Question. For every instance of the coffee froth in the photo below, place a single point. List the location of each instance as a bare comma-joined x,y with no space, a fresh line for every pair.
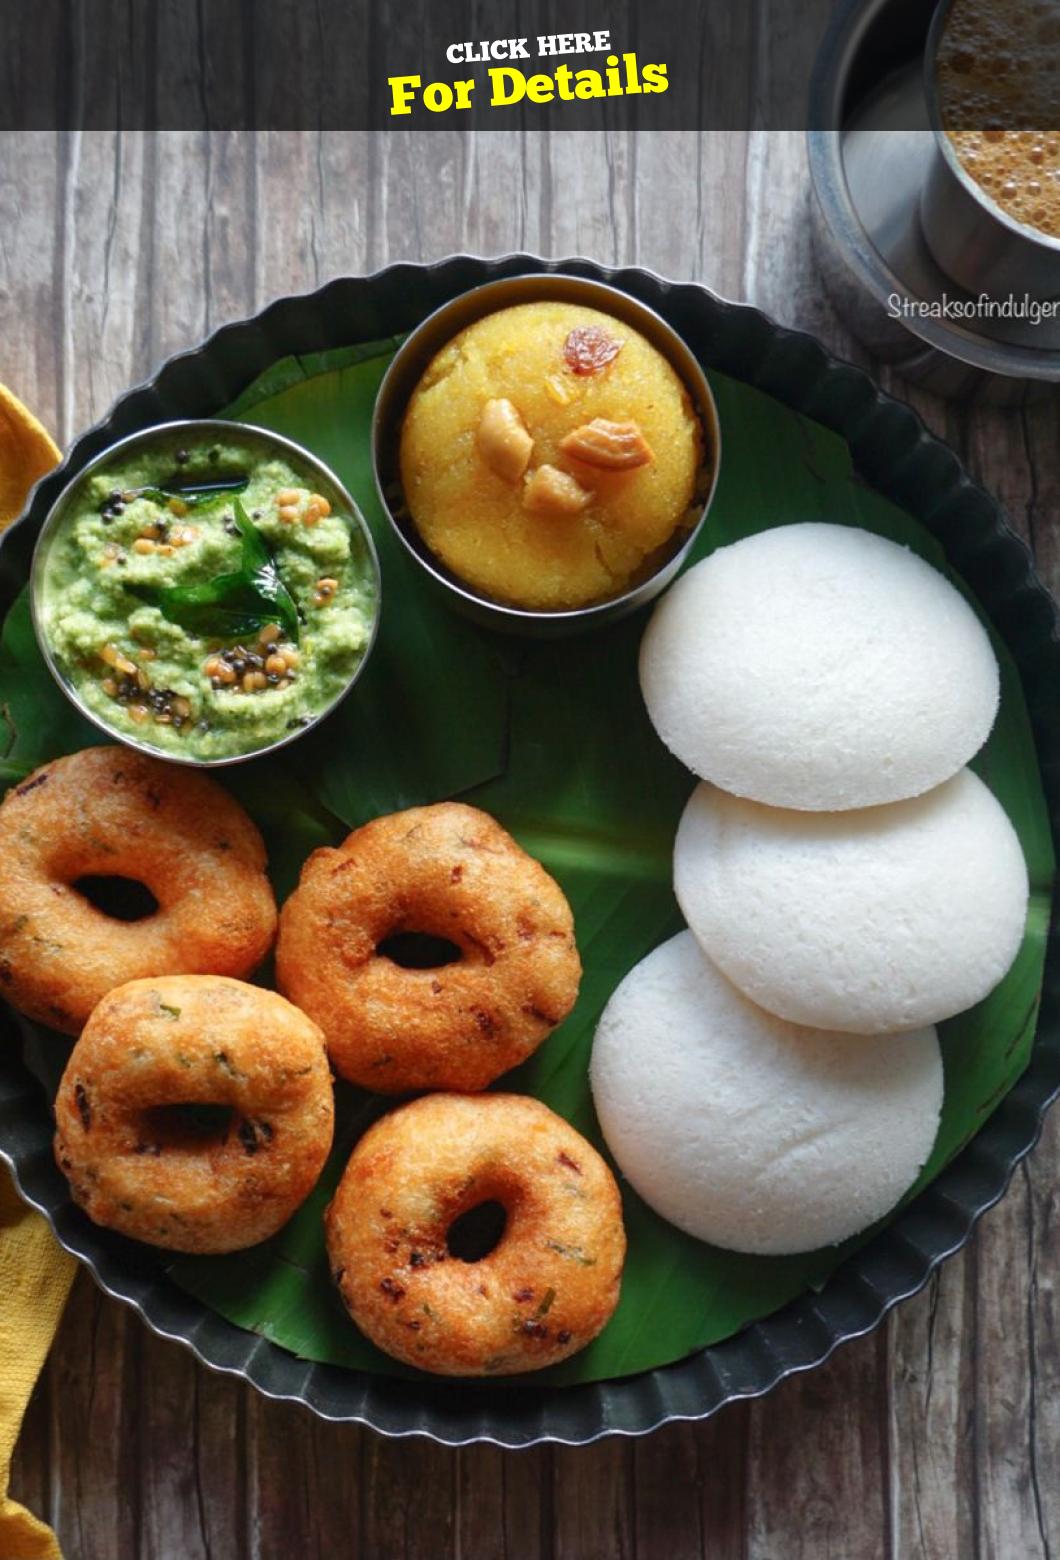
996,72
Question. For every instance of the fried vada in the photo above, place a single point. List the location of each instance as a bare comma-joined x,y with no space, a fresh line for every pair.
195,1113
452,873
108,812
401,1260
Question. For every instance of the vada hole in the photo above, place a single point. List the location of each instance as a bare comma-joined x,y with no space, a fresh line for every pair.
186,1126
122,898
477,1232
419,951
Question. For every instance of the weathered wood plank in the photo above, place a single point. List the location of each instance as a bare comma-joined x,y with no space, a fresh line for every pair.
817,1472
592,1501
932,1411
940,1437
32,308
311,218
499,210
1009,1475
31,1465
218,1454
109,335
503,1505
408,1491
685,222
175,1506
98,1454
1042,1213
1016,1440
689,1492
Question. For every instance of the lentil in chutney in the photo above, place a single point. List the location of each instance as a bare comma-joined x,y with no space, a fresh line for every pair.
206,600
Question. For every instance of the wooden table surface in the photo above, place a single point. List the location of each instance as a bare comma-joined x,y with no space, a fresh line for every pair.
937,1436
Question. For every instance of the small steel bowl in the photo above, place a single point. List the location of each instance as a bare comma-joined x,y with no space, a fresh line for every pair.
189,430
404,374
973,239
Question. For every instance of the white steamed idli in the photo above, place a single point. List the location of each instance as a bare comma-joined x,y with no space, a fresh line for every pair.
749,1132
869,921
819,666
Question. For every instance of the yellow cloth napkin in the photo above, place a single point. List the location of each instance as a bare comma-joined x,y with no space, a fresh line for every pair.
35,1273
35,1278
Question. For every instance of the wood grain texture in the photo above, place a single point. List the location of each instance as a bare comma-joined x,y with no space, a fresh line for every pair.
939,1437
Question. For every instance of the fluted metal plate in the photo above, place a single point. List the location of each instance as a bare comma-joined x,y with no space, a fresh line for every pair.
896,454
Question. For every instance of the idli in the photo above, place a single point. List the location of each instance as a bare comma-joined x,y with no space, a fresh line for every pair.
818,667
749,1132
870,921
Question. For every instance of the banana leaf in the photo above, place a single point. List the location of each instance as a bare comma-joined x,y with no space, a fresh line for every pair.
553,740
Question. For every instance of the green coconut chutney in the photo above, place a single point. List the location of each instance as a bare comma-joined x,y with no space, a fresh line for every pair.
207,599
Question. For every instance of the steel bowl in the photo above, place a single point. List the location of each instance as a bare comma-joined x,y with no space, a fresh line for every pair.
973,239
191,430
870,145
404,374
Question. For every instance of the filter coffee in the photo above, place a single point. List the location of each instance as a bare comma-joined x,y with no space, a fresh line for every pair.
996,72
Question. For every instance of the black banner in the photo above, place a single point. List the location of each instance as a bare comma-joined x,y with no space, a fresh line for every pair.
418,65
456,65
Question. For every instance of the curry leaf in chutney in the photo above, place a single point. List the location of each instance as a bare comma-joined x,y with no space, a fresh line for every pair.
238,602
